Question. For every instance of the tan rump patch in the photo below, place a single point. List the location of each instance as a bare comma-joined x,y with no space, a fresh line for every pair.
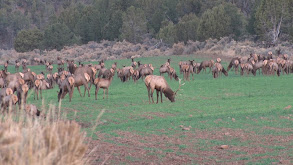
21,74
71,81
14,99
9,91
24,88
21,81
87,77
37,83
96,81
34,74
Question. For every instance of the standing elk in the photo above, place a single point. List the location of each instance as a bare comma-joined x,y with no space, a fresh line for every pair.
187,69
17,65
6,65
102,83
22,92
82,79
133,63
205,64
39,86
158,83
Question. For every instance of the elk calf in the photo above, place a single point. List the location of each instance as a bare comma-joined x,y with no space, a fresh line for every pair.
102,83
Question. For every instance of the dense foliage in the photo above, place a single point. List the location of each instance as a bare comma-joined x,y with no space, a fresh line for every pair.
171,21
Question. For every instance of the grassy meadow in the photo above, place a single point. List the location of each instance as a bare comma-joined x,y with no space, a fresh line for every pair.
252,115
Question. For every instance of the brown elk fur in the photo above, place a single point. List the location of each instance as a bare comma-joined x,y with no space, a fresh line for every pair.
32,110
22,92
218,68
82,79
39,86
66,86
158,83
102,83
5,92
17,65
7,101
204,65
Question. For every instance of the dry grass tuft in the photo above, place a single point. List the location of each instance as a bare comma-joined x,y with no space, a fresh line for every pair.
32,140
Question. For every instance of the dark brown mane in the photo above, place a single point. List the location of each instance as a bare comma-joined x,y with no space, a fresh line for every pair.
168,93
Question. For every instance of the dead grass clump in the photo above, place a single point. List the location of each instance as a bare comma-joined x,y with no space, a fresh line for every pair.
27,140
178,48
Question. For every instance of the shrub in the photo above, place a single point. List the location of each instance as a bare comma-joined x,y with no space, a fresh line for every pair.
27,140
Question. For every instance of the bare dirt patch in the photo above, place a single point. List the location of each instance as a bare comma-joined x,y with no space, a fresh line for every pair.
186,147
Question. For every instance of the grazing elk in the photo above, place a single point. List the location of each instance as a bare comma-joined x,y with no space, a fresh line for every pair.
146,70
66,85
205,64
234,63
218,68
158,83
102,83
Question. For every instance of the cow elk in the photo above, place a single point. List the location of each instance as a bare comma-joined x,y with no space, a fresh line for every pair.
158,83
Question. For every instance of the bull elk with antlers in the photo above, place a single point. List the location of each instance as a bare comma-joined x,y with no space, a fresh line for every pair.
158,83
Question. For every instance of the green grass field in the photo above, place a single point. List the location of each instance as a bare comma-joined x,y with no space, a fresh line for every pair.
245,112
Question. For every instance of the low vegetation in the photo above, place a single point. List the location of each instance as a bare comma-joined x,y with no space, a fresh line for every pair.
234,119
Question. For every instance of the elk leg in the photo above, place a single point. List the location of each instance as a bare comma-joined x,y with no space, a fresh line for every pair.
161,96
35,94
152,92
86,88
41,93
104,93
149,94
157,96
107,92
96,92
70,94
78,88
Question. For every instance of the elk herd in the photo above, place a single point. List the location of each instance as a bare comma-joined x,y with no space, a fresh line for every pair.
15,86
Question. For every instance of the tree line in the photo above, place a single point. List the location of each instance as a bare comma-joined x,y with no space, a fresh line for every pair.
52,24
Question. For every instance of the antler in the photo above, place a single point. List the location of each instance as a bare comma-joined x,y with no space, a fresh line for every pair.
179,86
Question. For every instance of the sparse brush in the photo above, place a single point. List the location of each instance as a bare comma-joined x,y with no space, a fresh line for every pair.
36,140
